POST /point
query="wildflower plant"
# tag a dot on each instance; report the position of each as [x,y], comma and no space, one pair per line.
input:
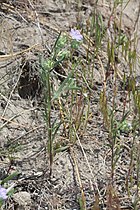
[61,51]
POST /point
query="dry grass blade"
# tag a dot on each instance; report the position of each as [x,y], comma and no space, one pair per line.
[83,199]
[88,164]
[13,55]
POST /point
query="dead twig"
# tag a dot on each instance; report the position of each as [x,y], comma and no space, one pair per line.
[12,55]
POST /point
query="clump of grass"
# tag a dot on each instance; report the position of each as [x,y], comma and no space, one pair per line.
[121,45]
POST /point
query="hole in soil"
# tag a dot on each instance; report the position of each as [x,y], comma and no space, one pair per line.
[29,85]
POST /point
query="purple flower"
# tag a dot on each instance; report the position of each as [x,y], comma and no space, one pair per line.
[75,34]
[3,193]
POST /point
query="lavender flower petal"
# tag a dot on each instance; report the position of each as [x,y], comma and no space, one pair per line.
[75,34]
[3,193]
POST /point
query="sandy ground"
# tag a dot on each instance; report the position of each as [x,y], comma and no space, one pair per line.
[23,136]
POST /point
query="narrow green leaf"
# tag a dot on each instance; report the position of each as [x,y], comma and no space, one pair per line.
[10,177]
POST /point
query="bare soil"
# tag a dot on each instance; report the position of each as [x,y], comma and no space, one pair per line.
[27,30]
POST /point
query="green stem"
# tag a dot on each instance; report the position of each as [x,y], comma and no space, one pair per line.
[49,122]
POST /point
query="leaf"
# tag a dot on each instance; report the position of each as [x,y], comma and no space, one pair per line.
[10,177]
[11,192]
[55,128]
[67,84]
[62,149]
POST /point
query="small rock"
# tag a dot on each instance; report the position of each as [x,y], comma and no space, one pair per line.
[23,198]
